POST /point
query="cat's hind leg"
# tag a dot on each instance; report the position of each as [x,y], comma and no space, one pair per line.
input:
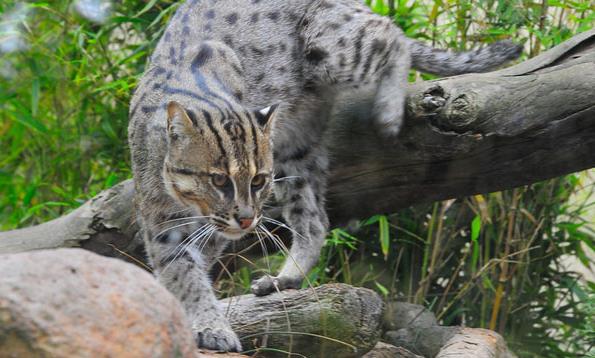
[361,55]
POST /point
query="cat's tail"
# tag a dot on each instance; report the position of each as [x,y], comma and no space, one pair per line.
[448,63]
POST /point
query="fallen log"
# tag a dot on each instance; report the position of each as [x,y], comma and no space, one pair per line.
[384,350]
[463,135]
[475,343]
[334,320]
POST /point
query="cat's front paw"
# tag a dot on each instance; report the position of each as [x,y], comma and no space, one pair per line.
[218,339]
[268,284]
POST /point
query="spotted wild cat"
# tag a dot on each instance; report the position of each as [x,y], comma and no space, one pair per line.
[240,92]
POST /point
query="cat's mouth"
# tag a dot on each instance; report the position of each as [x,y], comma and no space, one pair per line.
[231,233]
[234,229]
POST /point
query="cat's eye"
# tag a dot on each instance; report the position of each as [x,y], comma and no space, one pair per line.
[258,181]
[220,180]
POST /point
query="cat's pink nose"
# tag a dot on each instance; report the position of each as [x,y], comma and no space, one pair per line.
[246,223]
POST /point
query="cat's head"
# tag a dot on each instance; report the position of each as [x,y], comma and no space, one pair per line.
[220,163]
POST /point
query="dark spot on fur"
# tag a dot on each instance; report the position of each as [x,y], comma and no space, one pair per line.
[210,14]
[342,60]
[326,5]
[204,54]
[232,18]
[256,51]
[254,18]
[314,232]
[297,211]
[347,17]
[316,54]
[300,183]
[228,40]
[274,16]
[260,77]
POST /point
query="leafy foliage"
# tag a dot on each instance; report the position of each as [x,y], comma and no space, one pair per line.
[493,260]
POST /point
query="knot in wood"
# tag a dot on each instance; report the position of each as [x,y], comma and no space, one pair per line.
[433,99]
[459,113]
[427,103]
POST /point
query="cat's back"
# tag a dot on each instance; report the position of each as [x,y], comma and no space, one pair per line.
[263,33]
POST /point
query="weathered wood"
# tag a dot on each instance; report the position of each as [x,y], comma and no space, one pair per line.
[104,225]
[475,343]
[471,134]
[446,342]
[384,350]
[329,321]
[463,135]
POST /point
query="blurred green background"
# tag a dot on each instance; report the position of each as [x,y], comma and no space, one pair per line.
[67,71]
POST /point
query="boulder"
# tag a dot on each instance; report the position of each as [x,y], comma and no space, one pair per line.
[73,303]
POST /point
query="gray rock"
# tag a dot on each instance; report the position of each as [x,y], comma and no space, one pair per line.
[407,315]
[72,303]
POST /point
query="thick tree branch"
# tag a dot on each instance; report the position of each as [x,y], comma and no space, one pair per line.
[463,135]
[328,321]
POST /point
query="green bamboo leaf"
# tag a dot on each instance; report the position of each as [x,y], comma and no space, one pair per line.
[384,235]
[475,228]
[381,288]
[147,7]
[374,219]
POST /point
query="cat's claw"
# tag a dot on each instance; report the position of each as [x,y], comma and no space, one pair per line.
[218,339]
[268,284]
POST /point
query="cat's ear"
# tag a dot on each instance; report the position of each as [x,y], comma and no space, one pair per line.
[266,117]
[178,120]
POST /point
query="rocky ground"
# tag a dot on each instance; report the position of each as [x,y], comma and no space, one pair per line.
[73,303]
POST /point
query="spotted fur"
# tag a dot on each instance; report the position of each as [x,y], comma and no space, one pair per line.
[246,88]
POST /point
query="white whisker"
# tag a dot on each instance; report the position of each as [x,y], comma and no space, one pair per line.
[179,219]
[279,223]
[286,178]
[265,252]
[191,239]
[173,227]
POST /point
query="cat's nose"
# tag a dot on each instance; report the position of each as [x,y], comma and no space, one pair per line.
[246,222]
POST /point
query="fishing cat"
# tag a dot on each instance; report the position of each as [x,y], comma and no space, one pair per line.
[238,93]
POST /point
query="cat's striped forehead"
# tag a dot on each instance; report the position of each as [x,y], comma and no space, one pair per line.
[236,141]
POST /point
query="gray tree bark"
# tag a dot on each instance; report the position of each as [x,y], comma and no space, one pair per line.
[463,135]
[328,321]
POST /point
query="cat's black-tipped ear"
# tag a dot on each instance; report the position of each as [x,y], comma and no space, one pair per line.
[266,116]
[178,119]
